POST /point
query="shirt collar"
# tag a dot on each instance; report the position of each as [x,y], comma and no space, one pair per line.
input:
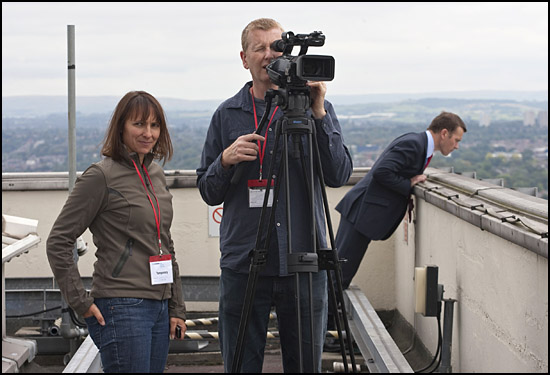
[430,148]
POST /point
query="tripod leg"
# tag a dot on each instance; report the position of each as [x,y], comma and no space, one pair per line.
[314,151]
[340,295]
[299,321]
[315,244]
[259,258]
[334,263]
[247,307]
[334,309]
[312,321]
[289,244]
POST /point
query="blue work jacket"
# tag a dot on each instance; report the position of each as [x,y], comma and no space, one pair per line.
[239,225]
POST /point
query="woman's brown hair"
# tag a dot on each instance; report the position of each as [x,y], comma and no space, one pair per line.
[137,105]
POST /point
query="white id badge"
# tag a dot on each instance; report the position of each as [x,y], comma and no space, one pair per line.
[256,193]
[161,269]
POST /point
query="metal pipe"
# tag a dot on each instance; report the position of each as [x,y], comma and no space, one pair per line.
[68,330]
[72,105]
[55,328]
[447,337]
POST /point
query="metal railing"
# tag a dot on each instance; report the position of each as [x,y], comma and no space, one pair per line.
[18,237]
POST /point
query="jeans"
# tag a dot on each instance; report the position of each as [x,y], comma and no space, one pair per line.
[135,337]
[279,292]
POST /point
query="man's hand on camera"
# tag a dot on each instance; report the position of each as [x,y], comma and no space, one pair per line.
[245,148]
[318,91]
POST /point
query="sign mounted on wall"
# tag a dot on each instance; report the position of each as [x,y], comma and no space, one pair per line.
[215,214]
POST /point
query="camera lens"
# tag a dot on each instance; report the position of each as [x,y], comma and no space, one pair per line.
[315,67]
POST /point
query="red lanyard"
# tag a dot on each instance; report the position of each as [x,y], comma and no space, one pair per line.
[262,150]
[157,218]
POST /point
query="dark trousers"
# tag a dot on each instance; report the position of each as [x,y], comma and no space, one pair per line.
[352,246]
[281,293]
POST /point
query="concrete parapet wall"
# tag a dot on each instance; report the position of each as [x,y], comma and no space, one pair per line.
[501,315]
[501,286]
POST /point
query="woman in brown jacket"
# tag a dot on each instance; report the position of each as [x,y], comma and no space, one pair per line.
[136,302]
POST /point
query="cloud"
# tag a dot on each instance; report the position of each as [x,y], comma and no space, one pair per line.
[191,50]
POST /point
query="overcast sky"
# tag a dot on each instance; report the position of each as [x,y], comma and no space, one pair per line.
[191,50]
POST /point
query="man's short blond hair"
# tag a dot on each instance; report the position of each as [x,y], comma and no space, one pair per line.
[264,24]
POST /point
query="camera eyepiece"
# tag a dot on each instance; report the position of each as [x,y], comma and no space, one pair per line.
[279,45]
[289,40]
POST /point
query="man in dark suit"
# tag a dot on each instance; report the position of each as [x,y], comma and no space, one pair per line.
[374,207]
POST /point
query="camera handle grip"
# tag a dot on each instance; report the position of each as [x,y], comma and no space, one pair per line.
[239,168]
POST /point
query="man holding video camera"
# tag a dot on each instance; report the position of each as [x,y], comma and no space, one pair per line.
[231,140]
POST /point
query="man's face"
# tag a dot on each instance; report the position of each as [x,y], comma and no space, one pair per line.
[259,54]
[449,141]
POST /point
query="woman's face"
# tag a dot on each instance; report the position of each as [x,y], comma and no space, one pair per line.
[141,136]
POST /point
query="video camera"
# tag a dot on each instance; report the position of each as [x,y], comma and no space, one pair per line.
[291,73]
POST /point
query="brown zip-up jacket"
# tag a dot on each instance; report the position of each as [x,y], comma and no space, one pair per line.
[109,198]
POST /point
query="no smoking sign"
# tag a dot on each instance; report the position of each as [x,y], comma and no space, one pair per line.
[215,214]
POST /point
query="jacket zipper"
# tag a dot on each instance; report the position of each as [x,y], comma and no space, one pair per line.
[124,257]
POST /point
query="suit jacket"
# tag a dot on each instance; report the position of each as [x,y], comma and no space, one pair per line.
[376,204]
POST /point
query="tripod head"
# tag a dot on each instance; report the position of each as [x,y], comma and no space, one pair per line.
[294,101]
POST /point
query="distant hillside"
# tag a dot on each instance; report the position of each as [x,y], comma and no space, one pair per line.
[466,95]
[35,106]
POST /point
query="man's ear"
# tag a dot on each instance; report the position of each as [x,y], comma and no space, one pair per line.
[243,59]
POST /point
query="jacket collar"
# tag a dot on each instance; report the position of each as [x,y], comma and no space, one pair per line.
[128,157]
[243,99]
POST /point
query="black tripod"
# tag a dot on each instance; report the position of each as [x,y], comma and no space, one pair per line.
[294,125]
